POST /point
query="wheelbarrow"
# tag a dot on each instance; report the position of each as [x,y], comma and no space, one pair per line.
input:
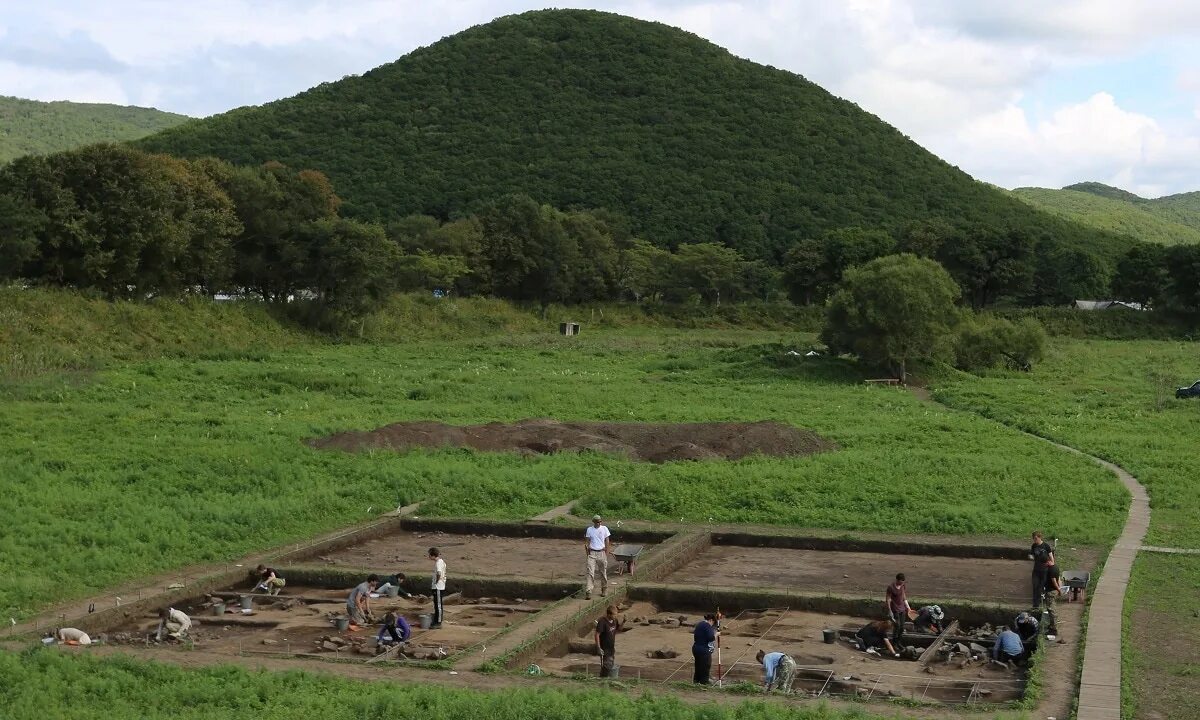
[1076,582]
[626,556]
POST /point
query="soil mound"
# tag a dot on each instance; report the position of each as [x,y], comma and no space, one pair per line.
[648,442]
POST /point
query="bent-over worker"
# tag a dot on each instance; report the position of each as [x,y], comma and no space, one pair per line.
[779,669]
[358,604]
[269,580]
[172,624]
[598,544]
[394,581]
[1026,626]
[875,635]
[929,619]
[1008,647]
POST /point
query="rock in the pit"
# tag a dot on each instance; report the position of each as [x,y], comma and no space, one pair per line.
[977,649]
[269,641]
[662,654]
[331,647]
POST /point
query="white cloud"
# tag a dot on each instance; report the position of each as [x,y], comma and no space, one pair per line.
[1092,140]
[953,75]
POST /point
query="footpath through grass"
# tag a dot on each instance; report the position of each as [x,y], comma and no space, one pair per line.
[1115,400]
[154,465]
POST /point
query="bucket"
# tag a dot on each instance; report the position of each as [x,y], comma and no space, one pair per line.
[615,672]
[830,635]
[426,621]
[342,624]
[218,608]
[393,591]
[247,602]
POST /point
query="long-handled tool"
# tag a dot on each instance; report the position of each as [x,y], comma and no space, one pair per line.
[720,671]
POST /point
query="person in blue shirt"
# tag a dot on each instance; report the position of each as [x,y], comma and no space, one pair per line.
[395,629]
[704,643]
[1008,647]
[779,669]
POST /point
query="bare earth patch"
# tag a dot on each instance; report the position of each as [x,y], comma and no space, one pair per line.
[647,442]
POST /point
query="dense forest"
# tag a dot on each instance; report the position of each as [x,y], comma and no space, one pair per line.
[30,127]
[1170,220]
[581,109]
[130,224]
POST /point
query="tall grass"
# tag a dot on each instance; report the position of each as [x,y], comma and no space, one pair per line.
[156,464]
[45,684]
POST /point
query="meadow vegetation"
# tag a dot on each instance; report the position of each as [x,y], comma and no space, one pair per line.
[124,689]
[149,465]
[1116,400]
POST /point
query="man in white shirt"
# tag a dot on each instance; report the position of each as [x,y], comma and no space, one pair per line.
[598,545]
[172,624]
[438,585]
[73,636]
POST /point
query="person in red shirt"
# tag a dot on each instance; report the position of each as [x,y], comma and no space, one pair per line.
[897,606]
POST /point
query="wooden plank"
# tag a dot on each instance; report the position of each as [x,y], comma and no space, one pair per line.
[933,647]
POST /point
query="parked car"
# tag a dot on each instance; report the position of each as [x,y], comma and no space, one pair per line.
[1192,390]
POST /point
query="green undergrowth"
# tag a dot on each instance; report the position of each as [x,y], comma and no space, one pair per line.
[152,465]
[124,689]
[1116,400]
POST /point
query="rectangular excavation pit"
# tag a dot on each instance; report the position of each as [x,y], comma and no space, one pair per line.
[654,632]
[300,622]
[931,579]
[550,553]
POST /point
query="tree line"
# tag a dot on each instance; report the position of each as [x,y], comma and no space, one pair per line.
[131,224]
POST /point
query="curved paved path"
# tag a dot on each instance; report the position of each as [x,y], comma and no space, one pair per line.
[1100,683]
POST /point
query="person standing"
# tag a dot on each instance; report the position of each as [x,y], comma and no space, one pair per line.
[1042,556]
[779,670]
[598,544]
[358,604]
[438,585]
[704,643]
[897,606]
[172,624]
[607,628]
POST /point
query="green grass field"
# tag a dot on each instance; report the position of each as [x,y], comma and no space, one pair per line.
[1115,400]
[153,465]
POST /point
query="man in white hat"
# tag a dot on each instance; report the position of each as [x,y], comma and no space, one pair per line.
[599,545]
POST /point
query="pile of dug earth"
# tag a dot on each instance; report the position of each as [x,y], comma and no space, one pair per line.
[647,442]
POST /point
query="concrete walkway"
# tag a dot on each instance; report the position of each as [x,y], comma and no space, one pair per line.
[1100,683]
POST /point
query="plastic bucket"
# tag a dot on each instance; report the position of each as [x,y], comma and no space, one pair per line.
[342,624]
[218,609]
[426,621]
[830,636]
[247,602]
[393,591]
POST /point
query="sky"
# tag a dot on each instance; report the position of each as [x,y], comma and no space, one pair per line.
[1014,92]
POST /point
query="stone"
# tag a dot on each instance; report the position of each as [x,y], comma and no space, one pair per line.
[977,649]
[326,645]
[662,654]
[269,641]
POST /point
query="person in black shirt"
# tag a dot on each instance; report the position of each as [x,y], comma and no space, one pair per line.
[704,642]
[1042,556]
[607,628]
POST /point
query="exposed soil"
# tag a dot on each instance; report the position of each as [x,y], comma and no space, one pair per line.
[483,555]
[836,669]
[301,623]
[853,573]
[648,442]
[1169,691]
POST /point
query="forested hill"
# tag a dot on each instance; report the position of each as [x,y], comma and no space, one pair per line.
[30,127]
[1170,220]
[595,110]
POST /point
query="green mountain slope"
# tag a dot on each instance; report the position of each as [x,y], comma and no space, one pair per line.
[591,109]
[30,127]
[1170,220]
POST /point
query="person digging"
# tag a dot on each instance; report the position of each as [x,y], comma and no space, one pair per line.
[268,580]
[358,605]
[607,628]
[875,635]
[395,629]
[779,670]
[172,625]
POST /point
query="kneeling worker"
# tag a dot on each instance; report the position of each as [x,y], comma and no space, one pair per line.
[779,669]
[268,580]
[173,624]
[72,636]
[1008,648]
[394,581]
[395,629]
[875,635]
[929,619]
